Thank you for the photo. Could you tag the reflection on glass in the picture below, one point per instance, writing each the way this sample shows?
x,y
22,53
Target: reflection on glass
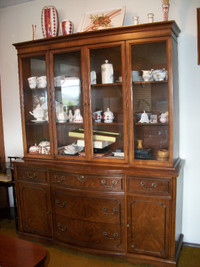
x,y
68,103
150,100
35,105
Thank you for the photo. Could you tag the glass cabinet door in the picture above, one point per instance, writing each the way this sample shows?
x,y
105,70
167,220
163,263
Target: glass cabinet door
x,y
107,101
35,105
68,103
150,101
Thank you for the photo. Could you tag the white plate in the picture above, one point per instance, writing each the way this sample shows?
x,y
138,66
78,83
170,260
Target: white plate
x,y
38,121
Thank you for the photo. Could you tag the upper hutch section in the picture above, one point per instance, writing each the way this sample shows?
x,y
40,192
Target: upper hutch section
x,y
109,96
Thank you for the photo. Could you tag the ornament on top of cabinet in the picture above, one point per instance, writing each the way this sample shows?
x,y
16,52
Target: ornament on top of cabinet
x,y
164,117
108,116
49,21
66,27
144,118
107,72
165,9
77,116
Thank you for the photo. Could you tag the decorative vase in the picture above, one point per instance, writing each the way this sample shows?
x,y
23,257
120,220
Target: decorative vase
x,y
66,27
49,21
165,8
139,144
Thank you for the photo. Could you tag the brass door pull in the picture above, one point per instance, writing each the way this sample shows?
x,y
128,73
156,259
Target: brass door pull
x,y
62,229
32,176
62,179
115,210
103,182
61,205
153,185
115,235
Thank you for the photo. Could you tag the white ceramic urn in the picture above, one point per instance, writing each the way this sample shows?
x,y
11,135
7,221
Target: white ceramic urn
x,y
107,72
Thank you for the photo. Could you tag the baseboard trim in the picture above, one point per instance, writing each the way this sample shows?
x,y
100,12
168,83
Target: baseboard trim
x,y
194,245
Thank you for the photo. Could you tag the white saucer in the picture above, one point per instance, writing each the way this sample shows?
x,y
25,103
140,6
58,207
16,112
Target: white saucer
x,y
38,121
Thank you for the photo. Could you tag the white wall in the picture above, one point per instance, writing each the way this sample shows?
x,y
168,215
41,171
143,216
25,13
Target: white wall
x,y
15,26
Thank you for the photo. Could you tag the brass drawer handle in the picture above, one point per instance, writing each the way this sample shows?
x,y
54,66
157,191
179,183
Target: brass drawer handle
x,y
153,185
115,210
115,235
103,182
62,179
61,205
81,178
62,229
31,176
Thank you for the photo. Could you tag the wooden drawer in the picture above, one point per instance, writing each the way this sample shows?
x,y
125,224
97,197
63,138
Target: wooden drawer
x,y
99,182
88,234
94,209
32,174
148,185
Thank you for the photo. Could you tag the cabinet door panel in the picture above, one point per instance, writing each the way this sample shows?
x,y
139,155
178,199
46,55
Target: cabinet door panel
x,y
35,105
35,209
148,221
88,234
108,101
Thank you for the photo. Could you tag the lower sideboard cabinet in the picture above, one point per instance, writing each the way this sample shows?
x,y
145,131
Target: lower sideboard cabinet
x,y
124,214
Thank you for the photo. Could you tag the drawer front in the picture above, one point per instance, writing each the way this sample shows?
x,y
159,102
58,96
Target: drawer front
x,y
94,209
148,185
32,174
99,182
88,234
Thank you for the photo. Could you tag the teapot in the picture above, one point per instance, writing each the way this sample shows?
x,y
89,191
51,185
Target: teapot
x,y
147,75
108,116
38,113
159,75
97,116
107,72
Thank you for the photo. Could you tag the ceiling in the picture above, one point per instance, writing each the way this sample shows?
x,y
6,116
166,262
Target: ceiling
x,y
7,3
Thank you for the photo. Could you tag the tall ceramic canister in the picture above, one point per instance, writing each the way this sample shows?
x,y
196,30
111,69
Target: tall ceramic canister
x,y
107,72
66,27
49,22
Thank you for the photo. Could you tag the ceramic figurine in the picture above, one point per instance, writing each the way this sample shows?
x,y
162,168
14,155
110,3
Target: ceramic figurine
x,y
164,117
144,118
70,116
77,116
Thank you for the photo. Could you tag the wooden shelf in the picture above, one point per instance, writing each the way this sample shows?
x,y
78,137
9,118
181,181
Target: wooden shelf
x,y
151,124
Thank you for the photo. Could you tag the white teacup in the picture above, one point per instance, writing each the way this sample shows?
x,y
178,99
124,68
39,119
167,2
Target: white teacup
x,y
32,81
42,82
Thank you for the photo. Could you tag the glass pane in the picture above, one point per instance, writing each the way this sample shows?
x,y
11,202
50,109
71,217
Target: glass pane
x,y
35,105
150,101
107,102
68,102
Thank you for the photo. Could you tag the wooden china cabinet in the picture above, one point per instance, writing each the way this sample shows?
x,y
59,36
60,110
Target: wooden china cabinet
x,y
112,186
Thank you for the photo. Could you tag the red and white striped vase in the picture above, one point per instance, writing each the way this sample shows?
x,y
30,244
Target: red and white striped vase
x,y
49,21
66,27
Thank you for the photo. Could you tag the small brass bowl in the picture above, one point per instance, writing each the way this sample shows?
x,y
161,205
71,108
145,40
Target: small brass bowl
x,y
163,153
